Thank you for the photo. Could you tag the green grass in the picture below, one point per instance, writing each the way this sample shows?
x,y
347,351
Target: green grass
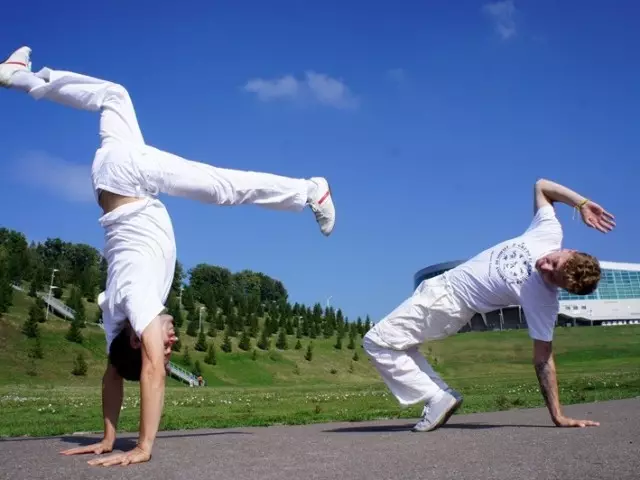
x,y
493,370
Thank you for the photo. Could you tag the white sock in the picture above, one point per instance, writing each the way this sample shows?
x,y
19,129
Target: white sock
x,y
312,189
26,81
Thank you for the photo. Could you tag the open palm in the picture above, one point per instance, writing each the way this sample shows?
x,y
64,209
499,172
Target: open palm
x,y
597,217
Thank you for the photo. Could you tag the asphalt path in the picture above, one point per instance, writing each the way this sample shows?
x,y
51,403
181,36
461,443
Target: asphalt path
x,y
518,444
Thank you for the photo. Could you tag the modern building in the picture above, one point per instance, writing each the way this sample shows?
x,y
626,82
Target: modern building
x,y
616,301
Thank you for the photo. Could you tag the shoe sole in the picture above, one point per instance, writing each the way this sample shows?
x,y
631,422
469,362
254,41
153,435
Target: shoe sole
x,y
443,419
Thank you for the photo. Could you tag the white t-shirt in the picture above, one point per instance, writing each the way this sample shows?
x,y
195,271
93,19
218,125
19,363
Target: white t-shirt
x,y
505,275
140,249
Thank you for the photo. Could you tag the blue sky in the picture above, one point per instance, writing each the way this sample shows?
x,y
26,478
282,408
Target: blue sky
x,y
432,120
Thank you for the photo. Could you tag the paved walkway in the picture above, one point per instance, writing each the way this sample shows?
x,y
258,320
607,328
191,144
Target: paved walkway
x,y
514,445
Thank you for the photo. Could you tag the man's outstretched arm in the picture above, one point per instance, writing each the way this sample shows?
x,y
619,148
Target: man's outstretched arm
x,y
547,192
546,372
112,394
152,384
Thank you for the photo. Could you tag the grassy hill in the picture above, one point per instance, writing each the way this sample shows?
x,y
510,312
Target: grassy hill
x,y
492,369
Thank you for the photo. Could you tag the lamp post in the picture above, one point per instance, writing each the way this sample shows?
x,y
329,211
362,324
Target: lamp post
x,y
201,309
51,287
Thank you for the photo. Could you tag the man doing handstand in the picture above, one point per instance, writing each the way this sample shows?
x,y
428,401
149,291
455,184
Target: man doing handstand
x,y
127,175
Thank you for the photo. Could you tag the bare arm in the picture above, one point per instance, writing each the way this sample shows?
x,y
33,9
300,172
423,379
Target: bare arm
x,y
152,379
593,215
152,384
547,192
546,372
112,394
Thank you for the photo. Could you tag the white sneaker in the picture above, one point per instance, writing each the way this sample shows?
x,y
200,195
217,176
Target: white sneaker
x,y
19,60
436,414
321,203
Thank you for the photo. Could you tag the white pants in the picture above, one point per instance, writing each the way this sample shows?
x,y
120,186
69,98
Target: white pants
x,y
433,312
139,238
125,165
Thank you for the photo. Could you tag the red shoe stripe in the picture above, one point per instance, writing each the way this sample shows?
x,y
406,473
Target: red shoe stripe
x,y
324,197
15,63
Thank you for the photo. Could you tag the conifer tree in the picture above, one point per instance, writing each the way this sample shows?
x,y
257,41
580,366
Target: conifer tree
x,y
212,331
197,369
309,355
186,357
36,351
211,355
201,343
245,340
74,334
298,345
226,343
282,344
79,365
265,342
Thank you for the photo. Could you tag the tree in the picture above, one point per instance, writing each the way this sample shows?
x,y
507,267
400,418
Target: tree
x,y
74,334
265,342
186,357
178,277
192,326
254,327
36,283
254,355
75,303
338,344
352,343
289,326
30,327
309,355
197,369
226,343
173,309
201,344
211,355
245,340
36,351
281,344
359,327
212,331
367,325
298,345
79,365
212,313
6,290
355,357
187,299
219,322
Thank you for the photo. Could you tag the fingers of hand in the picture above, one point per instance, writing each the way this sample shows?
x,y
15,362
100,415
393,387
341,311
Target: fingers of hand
x,y
97,449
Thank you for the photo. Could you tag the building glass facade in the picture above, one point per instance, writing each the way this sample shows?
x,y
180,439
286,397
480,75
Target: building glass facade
x,y
614,285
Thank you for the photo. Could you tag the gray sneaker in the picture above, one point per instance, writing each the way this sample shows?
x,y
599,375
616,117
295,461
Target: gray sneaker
x,y
436,414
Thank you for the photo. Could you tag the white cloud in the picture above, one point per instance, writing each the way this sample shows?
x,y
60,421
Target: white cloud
x,y
285,87
316,87
398,75
57,176
502,14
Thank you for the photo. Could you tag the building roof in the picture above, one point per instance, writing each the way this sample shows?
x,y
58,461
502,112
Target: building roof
x,y
634,267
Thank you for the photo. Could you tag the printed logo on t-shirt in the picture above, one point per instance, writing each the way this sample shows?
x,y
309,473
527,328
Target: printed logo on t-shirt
x,y
514,263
